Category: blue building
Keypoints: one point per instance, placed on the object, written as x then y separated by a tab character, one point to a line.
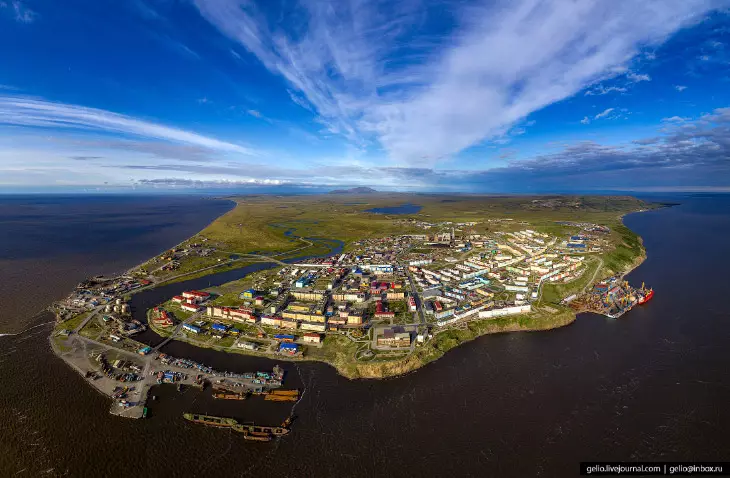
285	337
287	348
191	328
219	327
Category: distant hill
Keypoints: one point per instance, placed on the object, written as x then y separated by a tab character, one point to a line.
360	190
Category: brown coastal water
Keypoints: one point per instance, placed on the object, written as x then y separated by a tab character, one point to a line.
650	386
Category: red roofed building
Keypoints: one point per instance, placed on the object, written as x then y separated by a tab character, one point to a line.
162	318
190	307
312	338
242	314
381	313
196	296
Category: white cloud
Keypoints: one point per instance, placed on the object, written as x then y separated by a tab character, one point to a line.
680	87
675	119
585	120
604	113
369	72
30	112
636	77
22	13
602	90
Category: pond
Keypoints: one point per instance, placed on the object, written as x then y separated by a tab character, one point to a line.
406	208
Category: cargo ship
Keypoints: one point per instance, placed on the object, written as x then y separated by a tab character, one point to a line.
222	395
645	295
282	396
210	421
260	431
249	430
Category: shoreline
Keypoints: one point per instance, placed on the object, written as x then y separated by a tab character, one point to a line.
442	342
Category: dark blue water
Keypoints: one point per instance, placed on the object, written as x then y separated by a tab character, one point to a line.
650	386
406	208
48	244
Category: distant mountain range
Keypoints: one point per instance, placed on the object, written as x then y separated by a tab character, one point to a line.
360	190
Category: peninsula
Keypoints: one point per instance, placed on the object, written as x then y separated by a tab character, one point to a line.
375	284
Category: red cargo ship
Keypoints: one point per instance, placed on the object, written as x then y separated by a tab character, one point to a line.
646	297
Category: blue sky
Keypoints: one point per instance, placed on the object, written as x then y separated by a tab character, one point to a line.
468	96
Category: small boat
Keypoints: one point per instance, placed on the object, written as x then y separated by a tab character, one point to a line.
144	412
179	387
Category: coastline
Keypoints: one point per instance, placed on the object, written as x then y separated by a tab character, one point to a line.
443	340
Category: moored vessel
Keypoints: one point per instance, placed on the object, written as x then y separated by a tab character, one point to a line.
643	299
282	396
228	396
210	420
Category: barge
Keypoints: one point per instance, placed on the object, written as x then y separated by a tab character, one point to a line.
282	396
249	431
211	421
223	395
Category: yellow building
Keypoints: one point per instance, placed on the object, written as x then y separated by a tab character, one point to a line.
315	326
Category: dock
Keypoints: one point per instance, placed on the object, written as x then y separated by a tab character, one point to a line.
82	354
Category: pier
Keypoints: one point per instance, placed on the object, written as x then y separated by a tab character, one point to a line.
154	369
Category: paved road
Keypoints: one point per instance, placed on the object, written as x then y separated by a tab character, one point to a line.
598	269
178	327
419	301
87	319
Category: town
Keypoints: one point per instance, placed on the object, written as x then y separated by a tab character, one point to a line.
388	295
397	294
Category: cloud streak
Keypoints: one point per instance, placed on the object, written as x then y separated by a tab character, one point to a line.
372	76
21	12
34	113
684	155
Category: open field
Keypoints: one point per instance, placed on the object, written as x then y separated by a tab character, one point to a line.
265	224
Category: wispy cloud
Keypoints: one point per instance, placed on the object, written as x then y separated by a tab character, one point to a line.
370	74
602	90
604	113
694	152
680	88
636	77
585	120
28	112
21	12
675	119
85	158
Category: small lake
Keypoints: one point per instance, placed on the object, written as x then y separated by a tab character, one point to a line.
406	208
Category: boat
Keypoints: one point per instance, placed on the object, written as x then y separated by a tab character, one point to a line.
285	392
260	431
229	396
210	421
282	396
144	412
646	297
